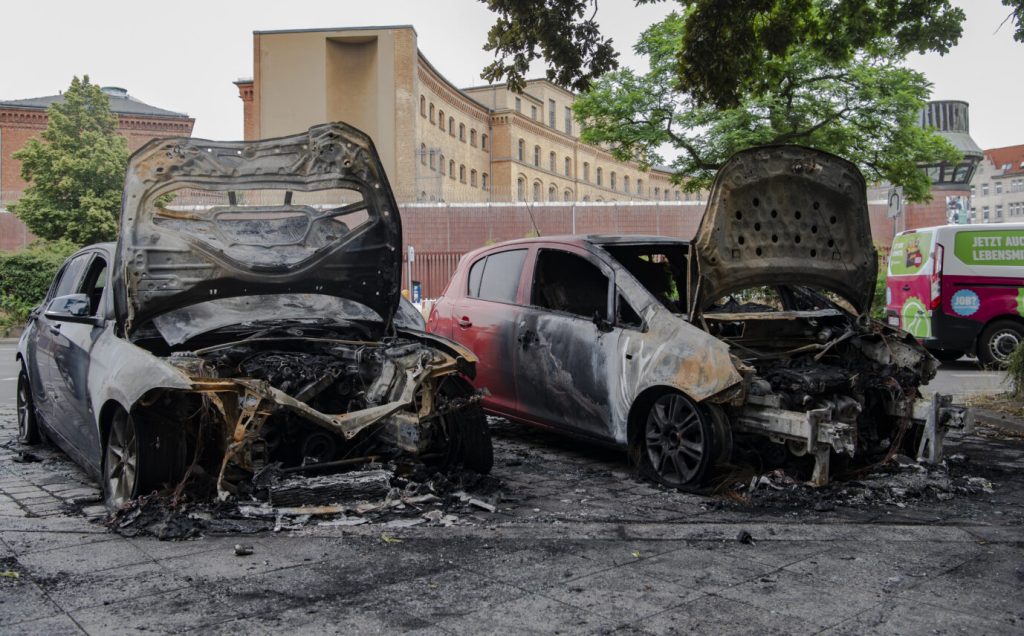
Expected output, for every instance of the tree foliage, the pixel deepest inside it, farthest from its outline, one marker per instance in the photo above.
(864, 109)
(76, 172)
(1017, 17)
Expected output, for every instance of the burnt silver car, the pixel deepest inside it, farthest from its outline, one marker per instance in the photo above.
(250, 314)
(752, 339)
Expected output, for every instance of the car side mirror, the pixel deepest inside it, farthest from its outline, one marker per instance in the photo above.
(72, 308)
(602, 323)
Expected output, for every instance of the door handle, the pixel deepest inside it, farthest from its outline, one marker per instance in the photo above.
(55, 329)
(906, 287)
(465, 322)
(527, 337)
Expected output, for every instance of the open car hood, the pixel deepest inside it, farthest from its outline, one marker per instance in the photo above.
(786, 215)
(307, 214)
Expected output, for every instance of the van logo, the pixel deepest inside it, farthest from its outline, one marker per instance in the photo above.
(965, 302)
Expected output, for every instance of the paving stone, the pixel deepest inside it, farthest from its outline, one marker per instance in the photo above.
(57, 625)
(531, 614)
(21, 600)
(26, 542)
(907, 617)
(114, 585)
(99, 556)
(713, 614)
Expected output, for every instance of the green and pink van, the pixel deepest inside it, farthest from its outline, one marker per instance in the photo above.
(959, 289)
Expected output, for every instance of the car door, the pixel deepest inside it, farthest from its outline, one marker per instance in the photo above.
(484, 317)
(566, 350)
(46, 331)
(72, 348)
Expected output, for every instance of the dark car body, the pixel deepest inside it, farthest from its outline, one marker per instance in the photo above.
(249, 314)
(669, 348)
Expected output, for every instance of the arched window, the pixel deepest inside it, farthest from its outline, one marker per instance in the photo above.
(440, 119)
(451, 168)
(568, 167)
(611, 182)
(431, 113)
(423, 154)
(483, 180)
(472, 178)
(472, 137)
(586, 171)
(552, 193)
(657, 193)
(666, 194)
(567, 195)
(600, 174)
(483, 141)
(521, 188)
(423, 106)
(640, 187)
(462, 173)
(441, 162)
(586, 198)
(677, 195)
(625, 183)
(552, 160)
(522, 150)
(536, 190)
(433, 166)
(536, 156)
(462, 132)
(451, 126)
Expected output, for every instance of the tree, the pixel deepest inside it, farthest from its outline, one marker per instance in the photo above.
(76, 173)
(1017, 17)
(864, 109)
(729, 46)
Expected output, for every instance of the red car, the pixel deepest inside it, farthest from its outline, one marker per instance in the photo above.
(754, 333)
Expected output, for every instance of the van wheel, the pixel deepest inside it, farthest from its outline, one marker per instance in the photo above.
(679, 443)
(998, 341)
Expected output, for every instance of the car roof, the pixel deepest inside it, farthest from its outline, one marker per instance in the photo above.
(584, 239)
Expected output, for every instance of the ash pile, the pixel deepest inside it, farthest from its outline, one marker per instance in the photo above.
(390, 495)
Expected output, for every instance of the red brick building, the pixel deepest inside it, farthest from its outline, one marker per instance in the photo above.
(24, 119)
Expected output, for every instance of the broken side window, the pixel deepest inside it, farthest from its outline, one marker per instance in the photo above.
(94, 282)
(661, 269)
(625, 315)
(569, 283)
(496, 277)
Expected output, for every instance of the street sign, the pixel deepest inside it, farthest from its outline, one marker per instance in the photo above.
(895, 202)
(412, 254)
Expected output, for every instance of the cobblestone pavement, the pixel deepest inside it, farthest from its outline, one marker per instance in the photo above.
(577, 546)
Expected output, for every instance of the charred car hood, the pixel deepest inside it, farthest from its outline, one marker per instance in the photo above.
(786, 215)
(207, 220)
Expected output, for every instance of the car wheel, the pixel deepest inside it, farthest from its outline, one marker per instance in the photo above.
(946, 356)
(679, 443)
(137, 459)
(28, 426)
(469, 438)
(998, 341)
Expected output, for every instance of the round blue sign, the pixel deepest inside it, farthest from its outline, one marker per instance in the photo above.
(965, 302)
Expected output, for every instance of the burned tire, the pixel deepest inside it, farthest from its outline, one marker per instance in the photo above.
(998, 341)
(138, 460)
(28, 425)
(469, 438)
(679, 442)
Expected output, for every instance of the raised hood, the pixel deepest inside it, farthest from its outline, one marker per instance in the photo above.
(207, 220)
(786, 215)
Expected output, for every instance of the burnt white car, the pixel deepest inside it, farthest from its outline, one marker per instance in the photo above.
(249, 315)
(754, 338)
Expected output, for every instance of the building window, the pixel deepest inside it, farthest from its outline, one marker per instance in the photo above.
(483, 180)
(423, 154)
(568, 167)
(600, 174)
(519, 105)
(440, 162)
(640, 187)
(586, 171)
(522, 150)
(552, 193)
(567, 195)
(552, 161)
(423, 106)
(472, 137)
(677, 195)
(431, 113)
(536, 156)
(536, 190)
(451, 126)
(999, 211)
(533, 112)
(984, 189)
(451, 168)
(462, 173)
(657, 193)
(568, 120)
(984, 212)
(999, 187)
(462, 132)
(972, 189)
(666, 194)
(433, 165)
(521, 188)
(551, 113)
(611, 181)
(625, 183)
(472, 178)
(483, 141)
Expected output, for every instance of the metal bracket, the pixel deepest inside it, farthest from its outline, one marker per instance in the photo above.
(940, 415)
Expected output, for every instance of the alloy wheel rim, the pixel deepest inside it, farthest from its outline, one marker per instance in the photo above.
(122, 457)
(675, 439)
(1002, 343)
(23, 407)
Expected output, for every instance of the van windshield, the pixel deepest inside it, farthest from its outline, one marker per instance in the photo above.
(911, 252)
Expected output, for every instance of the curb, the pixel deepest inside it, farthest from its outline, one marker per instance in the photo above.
(999, 420)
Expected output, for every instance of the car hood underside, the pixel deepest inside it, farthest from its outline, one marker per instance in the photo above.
(306, 214)
(786, 215)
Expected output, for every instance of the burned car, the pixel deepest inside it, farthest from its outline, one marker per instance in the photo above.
(753, 338)
(248, 316)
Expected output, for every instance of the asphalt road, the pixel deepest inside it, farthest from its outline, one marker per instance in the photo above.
(8, 371)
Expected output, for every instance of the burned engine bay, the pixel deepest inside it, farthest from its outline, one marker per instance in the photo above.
(821, 381)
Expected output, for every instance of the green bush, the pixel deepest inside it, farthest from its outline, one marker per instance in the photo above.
(1015, 372)
(26, 275)
(878, 302)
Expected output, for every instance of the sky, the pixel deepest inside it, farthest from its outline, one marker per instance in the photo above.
(184, 55)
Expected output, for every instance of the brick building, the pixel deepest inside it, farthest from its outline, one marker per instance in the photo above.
(24, 119)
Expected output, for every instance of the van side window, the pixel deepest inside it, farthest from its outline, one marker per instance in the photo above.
(496, 277)
(569, 283)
